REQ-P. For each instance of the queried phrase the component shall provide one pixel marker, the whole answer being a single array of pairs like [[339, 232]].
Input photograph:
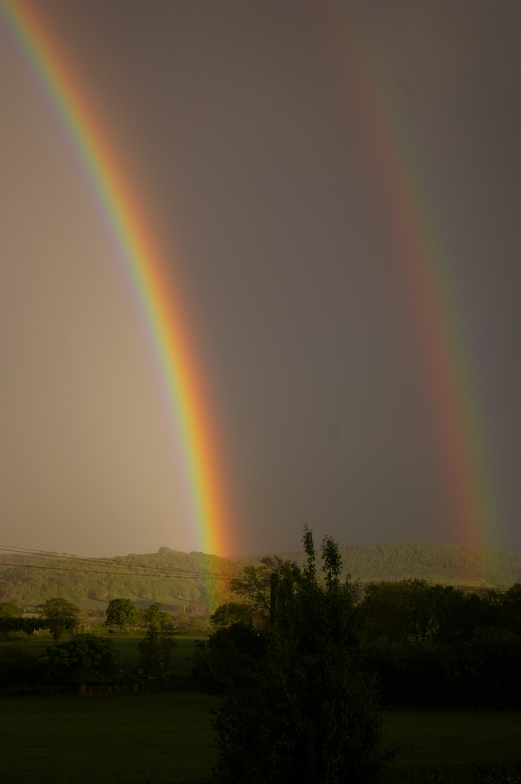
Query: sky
[[261, 140]]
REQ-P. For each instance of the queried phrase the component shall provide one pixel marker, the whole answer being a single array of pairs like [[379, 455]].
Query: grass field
[[138, 738], [182, 654], [161, 738], [454, 736]]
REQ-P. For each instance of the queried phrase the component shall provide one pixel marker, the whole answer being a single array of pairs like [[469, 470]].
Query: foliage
[[20, 624], [254, 585], [511, 602], [231, 612], [155, 658], [434, 645], [168, 573], [297, 705], [85, 658], [432, 561], [59, 616], [11, 619], [17, 666], [154, 616], [122, 613], [9, 610]]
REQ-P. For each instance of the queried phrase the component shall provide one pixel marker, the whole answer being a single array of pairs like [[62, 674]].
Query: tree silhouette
[[297, 705]]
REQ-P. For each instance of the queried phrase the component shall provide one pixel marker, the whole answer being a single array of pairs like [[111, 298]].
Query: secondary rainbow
[[145, 267], [426, 274]]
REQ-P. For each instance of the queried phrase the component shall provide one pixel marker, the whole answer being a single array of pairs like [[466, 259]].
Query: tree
[[512, 605], [59, 616], [83, 659], [9, 610], [122, 613], [231, 612], [17, 666], [155, 652], [253, 590], [18, 623], [11, 619], [155, 616], [297, 704]]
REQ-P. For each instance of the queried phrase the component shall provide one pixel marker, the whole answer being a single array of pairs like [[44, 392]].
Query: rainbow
[[426, 274], [144, 267]]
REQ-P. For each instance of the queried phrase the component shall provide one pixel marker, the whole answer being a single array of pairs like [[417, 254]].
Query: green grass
[[429, 737], [160, 738], [182, 654], [129, 739]]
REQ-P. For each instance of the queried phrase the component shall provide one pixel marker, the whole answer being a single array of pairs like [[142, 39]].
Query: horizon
[[28, 553]]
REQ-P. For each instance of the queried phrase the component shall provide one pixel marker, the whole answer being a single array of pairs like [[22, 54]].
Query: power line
[[26, 552], [144, 570], [93, 571]]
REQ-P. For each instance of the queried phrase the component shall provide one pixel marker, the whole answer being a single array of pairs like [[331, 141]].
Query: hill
[[199, 581], [431, 561], [189, 579]]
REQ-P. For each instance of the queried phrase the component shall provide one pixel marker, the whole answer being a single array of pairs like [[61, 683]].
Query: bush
[[85, 658]]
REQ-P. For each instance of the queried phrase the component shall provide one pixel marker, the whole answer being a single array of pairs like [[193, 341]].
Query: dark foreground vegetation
[[310, 677], [317, 664]]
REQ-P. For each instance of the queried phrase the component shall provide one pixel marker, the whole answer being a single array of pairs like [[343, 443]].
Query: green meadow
[[160, 738], [136, 738]]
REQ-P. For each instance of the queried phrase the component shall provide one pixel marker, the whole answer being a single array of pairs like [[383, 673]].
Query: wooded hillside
[[431, 561], [165, 574], [190, 576]]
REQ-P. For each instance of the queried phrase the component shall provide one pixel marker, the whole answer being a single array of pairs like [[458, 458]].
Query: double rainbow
[[426, 274], [144, 266]]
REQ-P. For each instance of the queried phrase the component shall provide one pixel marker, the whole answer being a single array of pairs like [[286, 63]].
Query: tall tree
[[297, 705]]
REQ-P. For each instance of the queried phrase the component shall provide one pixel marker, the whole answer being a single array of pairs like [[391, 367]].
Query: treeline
[[427, 645], [167, 573], [88, 659], [434, 646], [13, 625], [431, 561]]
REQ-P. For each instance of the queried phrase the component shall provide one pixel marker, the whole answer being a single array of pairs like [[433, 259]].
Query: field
[[137, 738], [168, 738]]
